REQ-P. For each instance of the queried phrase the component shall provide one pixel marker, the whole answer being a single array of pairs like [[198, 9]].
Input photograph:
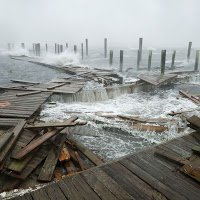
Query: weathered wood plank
[[5, 138], [48, 168], [184, 94], [89, 154], [27, 93], [194, 120], [16, 133]]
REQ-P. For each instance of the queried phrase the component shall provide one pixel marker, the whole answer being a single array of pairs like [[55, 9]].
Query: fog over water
[[163, 23]]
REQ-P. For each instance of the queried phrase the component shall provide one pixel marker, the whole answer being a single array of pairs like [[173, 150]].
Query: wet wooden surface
[[140, 175]]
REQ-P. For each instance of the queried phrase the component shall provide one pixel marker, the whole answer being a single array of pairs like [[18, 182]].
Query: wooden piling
[[149, 60], [58, 48], [82, 50], [189, 51], [61, 48], [196, 61], [13, 45], [46, 48], [121, 61], [75, 49], [105, 47], [138, 60], [23, 45], [66, 45], [111, 57], [163, 58], [140, 48], [55, 48], [173, 59], [86, 41]]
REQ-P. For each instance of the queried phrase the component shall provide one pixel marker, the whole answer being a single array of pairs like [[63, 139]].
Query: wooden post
[[111, 57], [46, 48], [13, 45], [38, 49], [82, 50], [55, 48], [196, 61], [23, 45], [75, 49], [189, 51], [173, 59], [66, 45], [121, 61], [162, 65], [149, 60], [86, 41], [140, 49], [138, 60], [58, 48], [61, 48], [105, 47]]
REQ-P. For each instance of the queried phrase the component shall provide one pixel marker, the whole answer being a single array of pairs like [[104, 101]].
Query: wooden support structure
[[163, 58], [149, 60], [138, 60], [196, 61], [189, 51], [111, 58], [82, 55], [173, 59], [86, 45], [121, 60], [140, 49], [75, 49], [105, 47]]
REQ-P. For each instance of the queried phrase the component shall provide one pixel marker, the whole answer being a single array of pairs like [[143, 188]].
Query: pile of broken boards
[[190, 166], [33, 153]]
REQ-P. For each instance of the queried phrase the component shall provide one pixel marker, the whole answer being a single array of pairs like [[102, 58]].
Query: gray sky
[[161, 22]]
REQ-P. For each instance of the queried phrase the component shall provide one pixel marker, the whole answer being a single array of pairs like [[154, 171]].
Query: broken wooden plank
[[196, 149], [58, 85], [5, 138], [64, 154], [49, 124], [184, 94], [194, 120], [27, 93], [16, 133], [79, 161], [148, 127], [71, 169], [21, 81], [48, 168], [38, 142], [148, 80], [89, 154]]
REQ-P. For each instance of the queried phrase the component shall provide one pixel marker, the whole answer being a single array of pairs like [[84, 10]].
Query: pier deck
[[139, 175]]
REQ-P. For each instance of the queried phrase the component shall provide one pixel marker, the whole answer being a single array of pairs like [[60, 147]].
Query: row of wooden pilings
[[60, 48]]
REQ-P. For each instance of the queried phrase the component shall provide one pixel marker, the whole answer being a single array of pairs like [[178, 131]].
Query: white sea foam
[[62, 59], [16, 52]]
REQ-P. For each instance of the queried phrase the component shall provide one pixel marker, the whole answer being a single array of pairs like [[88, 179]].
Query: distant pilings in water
[[105, 47], [37, 49], [22, 45], [86, 46], [75, 49], [189, 51], [46, 48], [82, 51], [140, 49], [196, 61], [111, 58], [149, 60], [138, 60], [121, 60], [173, 59], [163, 58], [9, 47], [66, 45]]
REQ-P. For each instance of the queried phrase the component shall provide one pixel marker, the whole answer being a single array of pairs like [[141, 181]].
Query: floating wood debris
[[184, 94]]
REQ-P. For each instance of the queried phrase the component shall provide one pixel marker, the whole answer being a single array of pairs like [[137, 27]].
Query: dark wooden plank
[[5, 138], [71, 169], [153, 182], [17, 131], [26, 196], [129, 182], [27, 93], [89, 154], [54, 192], [48, 168], [40, 194], [150, 164], [115, 188]]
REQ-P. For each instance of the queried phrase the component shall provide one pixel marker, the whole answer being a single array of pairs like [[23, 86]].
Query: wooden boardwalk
[[140, 175]]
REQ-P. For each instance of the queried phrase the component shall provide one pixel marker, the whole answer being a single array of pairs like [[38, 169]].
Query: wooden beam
[[39, 141], [184, 94], [27, 93], [148, 128], [89, 154], [48, 168], [16, 133], [194, 120], [5, 138], [64, 154]]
